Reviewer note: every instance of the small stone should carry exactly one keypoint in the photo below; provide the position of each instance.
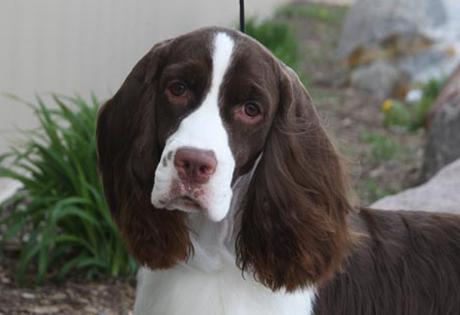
(91, 310)
(6, 280)
(28, 296)
(44, 309)
(58, 296)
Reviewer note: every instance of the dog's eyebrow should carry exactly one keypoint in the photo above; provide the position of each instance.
(181, 67)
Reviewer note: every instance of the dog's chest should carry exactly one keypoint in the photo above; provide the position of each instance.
(186, 291)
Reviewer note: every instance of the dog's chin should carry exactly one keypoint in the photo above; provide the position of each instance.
(189, 205)
(186, 204)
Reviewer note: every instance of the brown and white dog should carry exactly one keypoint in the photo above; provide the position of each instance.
(231, 196)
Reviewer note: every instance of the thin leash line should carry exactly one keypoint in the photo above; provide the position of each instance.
(242, 25)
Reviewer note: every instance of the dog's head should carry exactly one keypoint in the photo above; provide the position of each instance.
(195, 114)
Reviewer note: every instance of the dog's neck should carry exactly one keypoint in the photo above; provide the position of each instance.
(209, 282)
(214, 242)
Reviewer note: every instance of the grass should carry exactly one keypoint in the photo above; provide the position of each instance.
(61, 216)
(381, 146)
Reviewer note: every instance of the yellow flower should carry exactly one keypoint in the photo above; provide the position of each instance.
(387, 105)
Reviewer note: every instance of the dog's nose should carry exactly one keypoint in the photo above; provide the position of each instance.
(194, 165)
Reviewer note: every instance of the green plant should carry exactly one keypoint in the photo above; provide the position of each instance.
(396, 114)
(279, 38)
(431, 91)
(372, 190)
(381, 147)
(320, 12)
(412, 116)
(62, 217)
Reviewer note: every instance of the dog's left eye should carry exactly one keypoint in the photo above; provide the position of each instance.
(249, 113)
(251, 109)
(177, 88)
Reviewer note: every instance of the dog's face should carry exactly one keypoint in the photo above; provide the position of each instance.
(216, 104)
(196, 113)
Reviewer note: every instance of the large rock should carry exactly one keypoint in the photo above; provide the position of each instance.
(440, 194)
(420, 38)
(380, 78)
(371, 22)
(443, 139)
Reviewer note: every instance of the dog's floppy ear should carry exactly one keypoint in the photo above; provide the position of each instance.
(293, 231)
(128, 154)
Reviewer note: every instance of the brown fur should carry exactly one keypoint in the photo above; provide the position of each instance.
(404, 263)
(295, 221)
(128, 156)
(293, 230)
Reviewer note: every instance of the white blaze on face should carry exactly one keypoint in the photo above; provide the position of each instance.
(202, 129)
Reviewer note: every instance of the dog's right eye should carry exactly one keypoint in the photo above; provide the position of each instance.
(177, 88)
(178, 93)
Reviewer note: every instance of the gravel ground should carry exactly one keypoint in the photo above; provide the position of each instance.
(106, 297)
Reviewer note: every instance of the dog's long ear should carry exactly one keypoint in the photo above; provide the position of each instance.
(128, 154)
(293, 231)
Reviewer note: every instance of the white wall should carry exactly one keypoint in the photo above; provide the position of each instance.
(79, 46)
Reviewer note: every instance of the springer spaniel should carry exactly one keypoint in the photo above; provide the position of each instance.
(229, 193)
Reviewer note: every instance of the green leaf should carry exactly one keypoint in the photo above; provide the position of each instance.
(61, 205)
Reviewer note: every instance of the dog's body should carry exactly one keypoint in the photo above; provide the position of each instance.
(225, 185)
(401, 263)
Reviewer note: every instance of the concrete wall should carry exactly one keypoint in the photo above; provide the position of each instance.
(79, 46)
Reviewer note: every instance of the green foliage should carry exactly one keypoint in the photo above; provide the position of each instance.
(60, 213)
(396, 114)
(381, 147)
(372, 190)
(279, 38)
(431, 91)
(319, 12)
(412, 116)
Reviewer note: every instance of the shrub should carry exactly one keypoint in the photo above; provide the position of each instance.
(381, 147)
(372, 190)
(412, 116)
(279, 38)
(431, 91)
(61, 215)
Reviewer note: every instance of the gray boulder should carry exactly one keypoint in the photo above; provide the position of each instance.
(380, 78)
(443, 139)
(370, 22)
(440, 194)
(418, 38)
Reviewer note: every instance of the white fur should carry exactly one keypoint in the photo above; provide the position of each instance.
(203, 129)
(181, 291)
(210, 283)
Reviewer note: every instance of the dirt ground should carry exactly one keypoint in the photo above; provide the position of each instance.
(108, 297)
(381, 161)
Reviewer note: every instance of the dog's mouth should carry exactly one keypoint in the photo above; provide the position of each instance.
(193, 199)
(190, 202)
(187, 202)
